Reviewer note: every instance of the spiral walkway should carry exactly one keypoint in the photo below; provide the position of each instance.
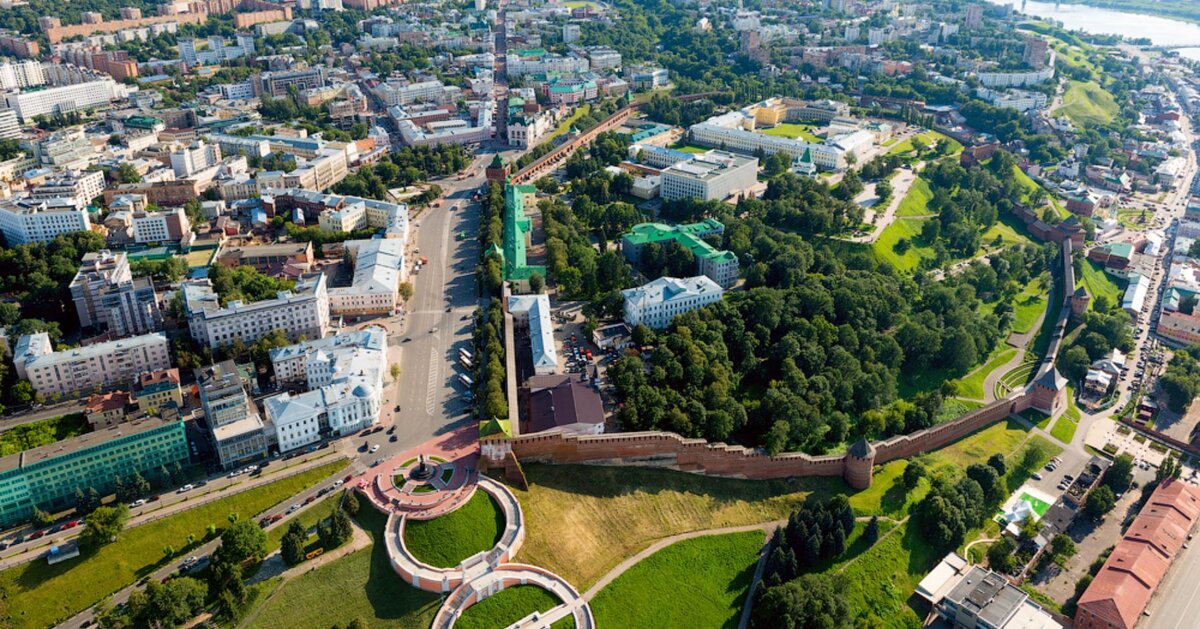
(455, 481)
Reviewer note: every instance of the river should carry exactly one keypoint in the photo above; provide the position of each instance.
(1160, 30)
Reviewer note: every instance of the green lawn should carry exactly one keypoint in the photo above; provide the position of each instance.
(916, 202)
(1098, 283)
(881, 581)
(1088, 104)
(36, 594)
(507, 607)
(699, 582)
(925, 139)
(309, 518)
(955, 407)
(446, 541)
(885, 246)
(791, 130)
(1029, 187)
(42, 432)
(971, 385)
(690, 148)
(579, 4)
(565, 126)
(1030, 303)
(359, 585)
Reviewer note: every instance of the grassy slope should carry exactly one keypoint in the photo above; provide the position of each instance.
(1098, 283)
(916, 202)
(446, 541)
(507, 607)
(1030, 303)
(1029, 186)
(698, 582)
(583, 520)
(971, 386)
(885, 246)
(36, 594)
(1088, 104)
(359, 585)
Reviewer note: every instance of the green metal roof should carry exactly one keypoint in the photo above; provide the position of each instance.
(686, 235)
(495, 429)
(516, 231)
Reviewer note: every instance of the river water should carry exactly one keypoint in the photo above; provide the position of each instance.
(1160, 30)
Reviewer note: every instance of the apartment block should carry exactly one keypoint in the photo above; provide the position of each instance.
(301, 312)
(378, 270)
(66, 98)
(78, 186)
(40, 221)
(108, 298)
(234, 425)
(155, 390)
(103, 366)
(199, 156)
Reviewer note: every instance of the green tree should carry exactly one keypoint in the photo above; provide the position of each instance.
(242, 541)
(809, 602)
(1120, 474)
(350, 503)
(336, 530)
(292, 546)
(127, 173)
(104, 525)
(1099, 502)
(41, 518)
(536, 283)
(1001, 555)
(913, 473)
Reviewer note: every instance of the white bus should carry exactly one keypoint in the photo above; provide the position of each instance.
(466, 363)
(463, 378)
(466, 353)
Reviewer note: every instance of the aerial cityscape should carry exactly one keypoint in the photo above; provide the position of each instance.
(599, 313)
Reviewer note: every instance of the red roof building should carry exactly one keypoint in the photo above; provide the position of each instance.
(1122, 589)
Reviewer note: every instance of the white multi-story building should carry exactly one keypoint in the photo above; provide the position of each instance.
(300, 312)
(714, 175)
(531, 313)
(378, 271)
(217, 51)
(40, 221)
(656, 303)
(733, 131)
(10, 127)
(197, 157)
(235, 144)
(104, 365)
(344, 376)
(1017, 79)
(1020, 100)
(393, 94)
(323, 171)
(525, 62)
(66, 98)
(78, 186)
(359, 213)
(17, 75)
(603, 58)
(107, 296)
(452, 131)
(163, 226)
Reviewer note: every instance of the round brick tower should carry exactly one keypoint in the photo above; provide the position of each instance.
(858, 465)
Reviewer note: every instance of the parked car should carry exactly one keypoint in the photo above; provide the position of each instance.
(185, 488)
(293, 508)
(137, 503)
(1037, 476)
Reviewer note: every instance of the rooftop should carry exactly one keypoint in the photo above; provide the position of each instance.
(73, 445)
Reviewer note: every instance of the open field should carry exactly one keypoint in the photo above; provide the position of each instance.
(446, 541)
(699, 582)
(37, 594)
(507, 607)
(916, 202)
(791, 130)
(1088, 104)
(359, 585)
(565, 126)
(1098, 283)
(925, 139)
(42, 432)
(885, 245)
(583, 520)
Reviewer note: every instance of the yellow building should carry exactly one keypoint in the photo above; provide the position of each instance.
(157, 390)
